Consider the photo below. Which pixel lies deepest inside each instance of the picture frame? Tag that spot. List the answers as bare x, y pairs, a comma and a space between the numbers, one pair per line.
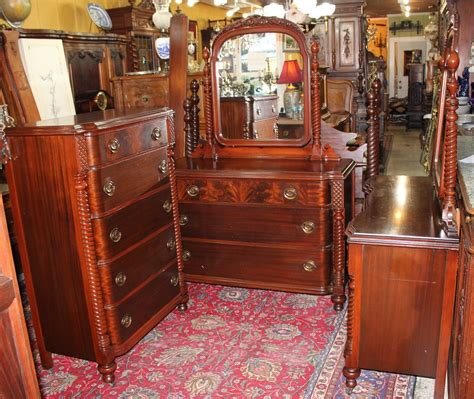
290, 45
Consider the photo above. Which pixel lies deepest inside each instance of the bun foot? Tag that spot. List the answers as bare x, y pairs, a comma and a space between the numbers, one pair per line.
351, 375
182, 307
338, 301
107, 372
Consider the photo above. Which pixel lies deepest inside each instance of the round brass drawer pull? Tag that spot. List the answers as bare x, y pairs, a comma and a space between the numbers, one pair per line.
145, 99
308, 227
186, 255
156, 134
309, 266
183, 220
290, 193
109, 187
171, 244
115, 234
113, 145
174, 280
193, 191
163, 166
126, 321
120, 279
167, 206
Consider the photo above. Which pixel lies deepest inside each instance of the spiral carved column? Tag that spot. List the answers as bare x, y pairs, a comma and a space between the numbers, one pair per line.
373, 129
195, 112
450, 146
315, 101
208, 113
188, 128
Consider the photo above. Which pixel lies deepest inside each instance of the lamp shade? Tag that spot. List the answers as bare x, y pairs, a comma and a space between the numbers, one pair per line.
291, 72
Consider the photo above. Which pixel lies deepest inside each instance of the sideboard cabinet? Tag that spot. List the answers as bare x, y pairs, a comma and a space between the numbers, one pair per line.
94, 204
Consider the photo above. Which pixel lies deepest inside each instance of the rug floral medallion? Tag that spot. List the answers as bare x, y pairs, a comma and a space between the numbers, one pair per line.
232, 343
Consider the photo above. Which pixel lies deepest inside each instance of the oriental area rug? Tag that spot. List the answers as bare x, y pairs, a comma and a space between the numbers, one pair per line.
232, 343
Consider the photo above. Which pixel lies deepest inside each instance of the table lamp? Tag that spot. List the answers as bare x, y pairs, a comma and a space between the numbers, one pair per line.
291, 73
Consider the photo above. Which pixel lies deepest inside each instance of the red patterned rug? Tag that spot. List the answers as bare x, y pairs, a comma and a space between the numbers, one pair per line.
231, 343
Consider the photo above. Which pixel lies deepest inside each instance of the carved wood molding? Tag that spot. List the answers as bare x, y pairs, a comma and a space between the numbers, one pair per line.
316, 101
96, 55
373, 131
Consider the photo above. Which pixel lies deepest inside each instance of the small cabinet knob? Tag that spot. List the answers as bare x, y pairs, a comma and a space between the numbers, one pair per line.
163, 167
120, 279
167, 206
183, 220
156, 134
115, 234
193, 191
145, 99
126, 321
308, 227
109, 187
174, 280
113, 145
309, 266
171, 244
290, 193
186, 255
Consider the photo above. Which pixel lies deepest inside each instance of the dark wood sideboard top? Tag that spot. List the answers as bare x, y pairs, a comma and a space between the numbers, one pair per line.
410, 217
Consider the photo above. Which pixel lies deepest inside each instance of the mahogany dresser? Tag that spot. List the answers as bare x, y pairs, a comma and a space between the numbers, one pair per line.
250, 117
94, 201
461, 368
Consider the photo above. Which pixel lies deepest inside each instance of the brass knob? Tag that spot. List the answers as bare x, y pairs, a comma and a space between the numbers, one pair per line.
167, 206
468, 219
186, 255
171, 244
163, 166
308, 227
259, 111
156, 134
126, 321
113, 145
193, 191
115, 234
309, 266
120, 279
183, 220
145, 99
285, 133
174, 280
290, 193
109, 187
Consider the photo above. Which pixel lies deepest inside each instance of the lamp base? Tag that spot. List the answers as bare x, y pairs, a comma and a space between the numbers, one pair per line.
292, 103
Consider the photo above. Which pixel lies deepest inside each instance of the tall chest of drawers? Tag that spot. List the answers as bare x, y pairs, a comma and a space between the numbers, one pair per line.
94, 202
272, 224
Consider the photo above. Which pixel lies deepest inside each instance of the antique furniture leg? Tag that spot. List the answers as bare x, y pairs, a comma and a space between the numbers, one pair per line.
338, 223
107, 371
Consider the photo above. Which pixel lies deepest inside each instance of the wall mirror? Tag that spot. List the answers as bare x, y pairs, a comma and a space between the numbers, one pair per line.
260, 86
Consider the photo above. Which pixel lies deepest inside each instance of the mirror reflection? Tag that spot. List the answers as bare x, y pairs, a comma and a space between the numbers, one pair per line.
260, 87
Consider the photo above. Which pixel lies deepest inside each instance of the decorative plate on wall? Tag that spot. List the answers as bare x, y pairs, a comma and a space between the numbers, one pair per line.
99, 16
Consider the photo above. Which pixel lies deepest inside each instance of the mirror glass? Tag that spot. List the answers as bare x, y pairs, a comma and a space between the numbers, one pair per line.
260, 87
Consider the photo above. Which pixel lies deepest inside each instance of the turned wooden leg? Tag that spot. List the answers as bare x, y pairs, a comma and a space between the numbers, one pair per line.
107, 371
351, 378
46, 359
338, 299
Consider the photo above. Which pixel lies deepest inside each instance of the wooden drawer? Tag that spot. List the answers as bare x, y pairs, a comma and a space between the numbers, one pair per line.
264, 129
153, 93
119, 143
265, 108
123, 181
256, 224
116, 232
121, 276
127, 317
266, 267
254, 191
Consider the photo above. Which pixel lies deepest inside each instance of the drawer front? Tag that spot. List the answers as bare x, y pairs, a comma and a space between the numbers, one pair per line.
265, 129
130, 315
253, 191
119, 143
127, 272
256, 224
116, 232
265, 109
308, 267
123, 181
153, 93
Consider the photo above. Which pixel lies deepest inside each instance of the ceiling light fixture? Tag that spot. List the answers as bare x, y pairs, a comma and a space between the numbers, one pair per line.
274, 10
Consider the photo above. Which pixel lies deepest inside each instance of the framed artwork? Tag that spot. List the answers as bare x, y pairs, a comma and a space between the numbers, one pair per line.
319, 32
347, 39
192, 39
47, 72
290, 45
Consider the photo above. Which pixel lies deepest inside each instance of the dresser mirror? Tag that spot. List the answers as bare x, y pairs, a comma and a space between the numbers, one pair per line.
260, 78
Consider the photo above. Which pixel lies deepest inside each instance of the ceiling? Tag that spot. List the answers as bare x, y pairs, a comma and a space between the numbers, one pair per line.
380, 8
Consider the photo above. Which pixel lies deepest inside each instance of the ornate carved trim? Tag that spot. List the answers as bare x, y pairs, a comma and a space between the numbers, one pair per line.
195, 112
189, 142
96, 55
373, 110
338, 255
208, 111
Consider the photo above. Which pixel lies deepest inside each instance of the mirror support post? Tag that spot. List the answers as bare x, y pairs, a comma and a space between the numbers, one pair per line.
208, 112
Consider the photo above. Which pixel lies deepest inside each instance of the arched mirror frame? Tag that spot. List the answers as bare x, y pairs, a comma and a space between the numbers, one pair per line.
253, 25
